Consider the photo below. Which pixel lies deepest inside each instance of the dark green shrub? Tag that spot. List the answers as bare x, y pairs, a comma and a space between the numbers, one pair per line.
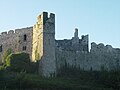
19, 62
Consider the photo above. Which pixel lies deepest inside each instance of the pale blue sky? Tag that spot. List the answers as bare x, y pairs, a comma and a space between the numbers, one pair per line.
98, 18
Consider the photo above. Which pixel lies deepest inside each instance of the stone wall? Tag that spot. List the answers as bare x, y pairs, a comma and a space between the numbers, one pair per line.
74, 44
100, 57
39, 42
15, 41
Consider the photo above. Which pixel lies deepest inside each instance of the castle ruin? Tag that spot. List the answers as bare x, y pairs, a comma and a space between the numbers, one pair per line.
40, 43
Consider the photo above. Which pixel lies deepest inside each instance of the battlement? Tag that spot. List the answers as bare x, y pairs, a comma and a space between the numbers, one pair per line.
44, 17
23, 29
95, 48
13, 32
3, 33
44, 22
99, 46
6, 34
84, 36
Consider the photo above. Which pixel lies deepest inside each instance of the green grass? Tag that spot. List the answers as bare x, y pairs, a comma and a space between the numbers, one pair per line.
32, 81
67, 79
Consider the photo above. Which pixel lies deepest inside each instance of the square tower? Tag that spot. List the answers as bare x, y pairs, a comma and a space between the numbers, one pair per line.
44, 44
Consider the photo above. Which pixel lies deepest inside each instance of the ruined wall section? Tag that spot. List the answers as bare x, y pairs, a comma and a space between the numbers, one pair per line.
25, 36
75, 39
74, 44
64, 44
15, 41
73, 59
85, 43
74, 52
105, 57
100, 57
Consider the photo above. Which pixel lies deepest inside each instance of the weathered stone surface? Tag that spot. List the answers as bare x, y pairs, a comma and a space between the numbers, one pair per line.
44, 44
100, 57
39, 41
15, 41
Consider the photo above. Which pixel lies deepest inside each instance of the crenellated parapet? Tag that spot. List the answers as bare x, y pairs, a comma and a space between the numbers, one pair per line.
45, 21
5, 35
13, 32
101, 48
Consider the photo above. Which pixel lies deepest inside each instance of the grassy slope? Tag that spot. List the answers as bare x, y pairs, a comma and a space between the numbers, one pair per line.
23, 80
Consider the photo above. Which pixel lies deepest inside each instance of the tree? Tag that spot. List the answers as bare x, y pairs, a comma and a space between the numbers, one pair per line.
7, 53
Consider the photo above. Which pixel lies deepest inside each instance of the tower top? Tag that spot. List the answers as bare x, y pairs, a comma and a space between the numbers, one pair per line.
76, 32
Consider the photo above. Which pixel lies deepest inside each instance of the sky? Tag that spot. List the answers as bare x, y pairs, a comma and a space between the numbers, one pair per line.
98, 18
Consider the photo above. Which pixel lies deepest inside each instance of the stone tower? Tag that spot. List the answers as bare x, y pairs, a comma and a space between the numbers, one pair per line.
44, 44
75, 39
85, 42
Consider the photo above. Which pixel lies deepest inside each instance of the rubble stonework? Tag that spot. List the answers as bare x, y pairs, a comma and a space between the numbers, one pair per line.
19, 40
44, 44
39, 41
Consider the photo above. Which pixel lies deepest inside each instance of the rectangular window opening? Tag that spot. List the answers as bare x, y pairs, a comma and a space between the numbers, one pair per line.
24, 48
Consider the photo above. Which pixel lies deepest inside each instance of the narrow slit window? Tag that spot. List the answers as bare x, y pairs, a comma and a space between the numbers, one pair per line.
25, 37
49, 41
24, 48
0, 48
